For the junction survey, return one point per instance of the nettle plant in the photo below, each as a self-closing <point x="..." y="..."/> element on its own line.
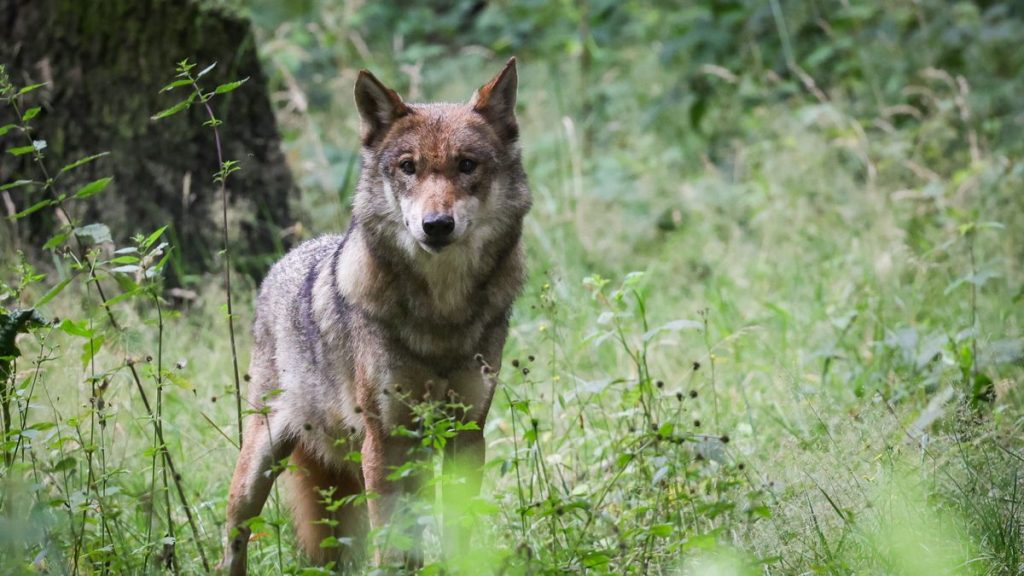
<point x="76" y="502"/>
<point x="650" y="486"/>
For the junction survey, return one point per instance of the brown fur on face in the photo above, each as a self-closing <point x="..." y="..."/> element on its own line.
<point x="436" y="138"/>
<point x="420" y="151"/>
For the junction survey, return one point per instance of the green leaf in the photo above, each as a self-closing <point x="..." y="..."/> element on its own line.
<point x="206" y="70"/>
<point x="95" y="233"/>
<point x="72" y="328"/>
<point x="175" y="84"/>
<point x="7" y="128"/>
<point x="152" y="238"/>
<point x="184" y="104"/>
<point x="154" y="270"/>
<point x="55" y="241"/>
<point x="21" y="150"/>
<point x="93" y="188"/>
<point x="30" y="113"/>
<point x="230" y="86"/>
<point x="708" y="541"/>
<point x="179" y="381"/>
<point x="30" y="88"/>
<point x="32" y="209"/>
<point x="127" y="294"/>
<point x="661" y="530"/>
<point x="64" y="465"/>
<point x="17" y="184"/>
<point x="91" y="348"/>
<point x="53" y="292"/>
<point x="85" y="160"/>
<point x="596" y="559"/>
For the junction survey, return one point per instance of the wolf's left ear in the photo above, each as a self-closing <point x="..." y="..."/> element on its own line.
<point x="379" y="107"/>
<point x="496" y="101"/>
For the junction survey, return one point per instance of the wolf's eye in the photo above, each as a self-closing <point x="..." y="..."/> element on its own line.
<point x="407" y="166"/>
<point x="466" y="166"/>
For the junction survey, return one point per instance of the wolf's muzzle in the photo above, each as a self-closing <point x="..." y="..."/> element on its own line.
<point x="438" y="228"/>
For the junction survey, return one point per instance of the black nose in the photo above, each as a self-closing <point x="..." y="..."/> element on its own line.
<point x="438" y="226"/>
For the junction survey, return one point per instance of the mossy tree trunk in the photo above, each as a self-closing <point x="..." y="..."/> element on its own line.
<point x="104" y="63"/>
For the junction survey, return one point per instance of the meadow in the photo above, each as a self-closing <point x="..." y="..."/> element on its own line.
<point x="773" y="323"/>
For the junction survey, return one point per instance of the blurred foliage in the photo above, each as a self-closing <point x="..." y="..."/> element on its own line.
<point x="713" y="58"/>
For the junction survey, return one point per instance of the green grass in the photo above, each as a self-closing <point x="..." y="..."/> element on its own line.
<point x="778" y="375"/>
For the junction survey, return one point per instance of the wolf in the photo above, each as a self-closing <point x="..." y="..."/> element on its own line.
<point x="413" y="301"/>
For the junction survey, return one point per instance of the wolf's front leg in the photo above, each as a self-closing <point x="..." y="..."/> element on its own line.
<point x="463" y="474"/>
<point x="268" y="440"/>
<point x="464" y="455"/>
<point x="381" y="455"/>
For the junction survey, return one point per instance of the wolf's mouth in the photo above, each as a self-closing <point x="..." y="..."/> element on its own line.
<point x="435" y="246"/>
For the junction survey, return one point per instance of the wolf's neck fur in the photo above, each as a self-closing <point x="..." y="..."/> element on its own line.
<point x="383" y="270"/>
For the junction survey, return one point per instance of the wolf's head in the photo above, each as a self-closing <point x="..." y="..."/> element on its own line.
<point x="440" y="175"/>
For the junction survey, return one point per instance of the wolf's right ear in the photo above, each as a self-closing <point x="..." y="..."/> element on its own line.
<point x="379" y="107"/>
<point x="496" y="101"/>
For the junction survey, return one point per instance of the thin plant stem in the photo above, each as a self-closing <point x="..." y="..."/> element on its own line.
<point x="175" y="476"/>
<point x="221" y="178"/>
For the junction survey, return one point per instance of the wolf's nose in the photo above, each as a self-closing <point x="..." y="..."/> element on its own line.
<point x="438" y="226"/>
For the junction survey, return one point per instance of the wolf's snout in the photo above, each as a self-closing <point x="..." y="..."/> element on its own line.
<point x="438" y="227"/>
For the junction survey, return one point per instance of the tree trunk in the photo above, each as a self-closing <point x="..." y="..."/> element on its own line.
<point x="104" y="62"/>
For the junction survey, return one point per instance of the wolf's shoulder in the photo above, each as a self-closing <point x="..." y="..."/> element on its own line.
<point x="297" y="263"/>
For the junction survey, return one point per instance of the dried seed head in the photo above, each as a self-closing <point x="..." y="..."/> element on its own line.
<point x="693" y="393"/>
<point x="515" y="362"/>
<point x="696" y="365"/>
<point x="359" y="410"/>
<point x="149" y="358"/>
<point x="526" y="371"/>
<point x="679" y="396"/>
<point x="246" y="377"/>
<point x="696" y="423"/>
<point x="741" y="466"/>
<point x="307" y="426"/>
<point x="659" y="384"/>
<point x="213" y="398"/>
<point x="531" y="358"/>
<point x="724" y="438"/>
<point x="479" y="358"/>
